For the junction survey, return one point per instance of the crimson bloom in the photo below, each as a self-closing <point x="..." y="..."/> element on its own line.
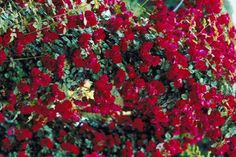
<point x="23" y="134"/>
<point x="99" y="35"/>
<point x="50" y="36"/>
<point x="3" y="56"/>
<point x="47" y="142"/>
<point x="84" y="40"/>
<point x="91" y="18"/>
<point x="70" y="148"/>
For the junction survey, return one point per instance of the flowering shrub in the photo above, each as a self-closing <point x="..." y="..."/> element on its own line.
<point x="92" y="79"/>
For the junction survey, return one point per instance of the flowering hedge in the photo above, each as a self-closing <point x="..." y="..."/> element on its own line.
<point x="92" y="79"/>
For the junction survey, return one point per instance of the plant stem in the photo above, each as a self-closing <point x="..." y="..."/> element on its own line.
<point x="178" y="6"/>
<point x="144" y="3"/>
<point x="26" y="58"/>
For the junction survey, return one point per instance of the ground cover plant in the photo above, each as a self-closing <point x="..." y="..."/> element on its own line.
<point x="90" y="78"/>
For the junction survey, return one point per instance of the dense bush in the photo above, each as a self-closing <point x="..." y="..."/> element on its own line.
<point x="91" y="79"/>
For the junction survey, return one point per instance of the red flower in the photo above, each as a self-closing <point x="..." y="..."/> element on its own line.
<point x="92" y="63"/>
<point x="68" y="2"/>
<point x="157" y="153"/>
<point x="131" y="71"/>
<point x="47" y="142"/>
<point x="127" y="151"/>
<point x="23" y="87"/>
<point x="104" y="100"/>
<point x="144" y="52"/>
<point x="98" y="35"/>
<point x="144" y="68"/>
<point x="178" y="83"/>
<point x="45" y="79"/>
<point x="129" y="35"/>
<point x="91" y="18"/>
<point x="201" y="65"/>
<point x="49" y="62"/>
<point x="23" y="134"/>
<point x="26" y="110"/>
<point x="72" y="21"/>
<point x="7" y="38"/>
<point x="50" y="36"/>
<point x="151" y="146"/>
<point x="115" y="23"/>
<point x="176" y="73"/>
<point x="156" y="60"/>
<point x="99" y="141"/>
<point x="77" y="1"/>
<point x="147" y="57"/>
<point x="84" y="40"/>
<point x="22" y="41"/>
<point x="155" y="87"/>
<point x="6" y="143"/>
<point x="216" y="119"/>
<point x="22" y="154"/>
<point x="214" y="134"/>
<point x="120" y="78"/>
<point x="1" y="118"/>
<point x="139" y="154"/>
<point x="138" y="124"/>
<point x="221" y="150"/>
<point x="65" y="109"/>
<point x="77" y="59"/>
<point x="21" y="3"/>
<point x="160" y="116"/>
<point x="60" y="65"/>
<point x="146" y="47"/>
<point x="57" y="93"/>
<point x="173" y="147"/>
<point x="102" y="84"/>
<point x="41" y="1"/>
<point x="3" y="56"/>
<point x="93" y="154"/>
<point x="19" y="48"/>
<point x="24" y="145"/>
<point x="38" y="125"/>
<point x="114" y="54"/>
<point x="123" y="45"/>
<point x="70" y="148"/>
<point x="35" y="72"/>
<point x="39" y="79"/>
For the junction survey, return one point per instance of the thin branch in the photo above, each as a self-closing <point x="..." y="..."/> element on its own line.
<point x="26" y="58"/>
<point x="33" y="57"/>
<point x="144" y="3"/>
<point x="202" y="30"/>
<point x="12" y="120"/>
<point x="144" y="9"/>
<point x="178" y="6"/>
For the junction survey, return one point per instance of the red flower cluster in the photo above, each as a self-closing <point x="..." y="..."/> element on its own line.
<point x="47" y="143"/>
<point x="84" y="40"/>
<point x="90" y="18"/>
<point x="3" y="56"/>
<point x="100" y="105"/>
<point x="50" y="36"/>
<point x="91" y="61"/>
<point x="60" y="65"/>
<point x="99" y="35"/>
<point x="158" y="84"/>
<point x="114" y="54"/>
<point x="70" y="148"/>
<point x="55" y="65"/>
